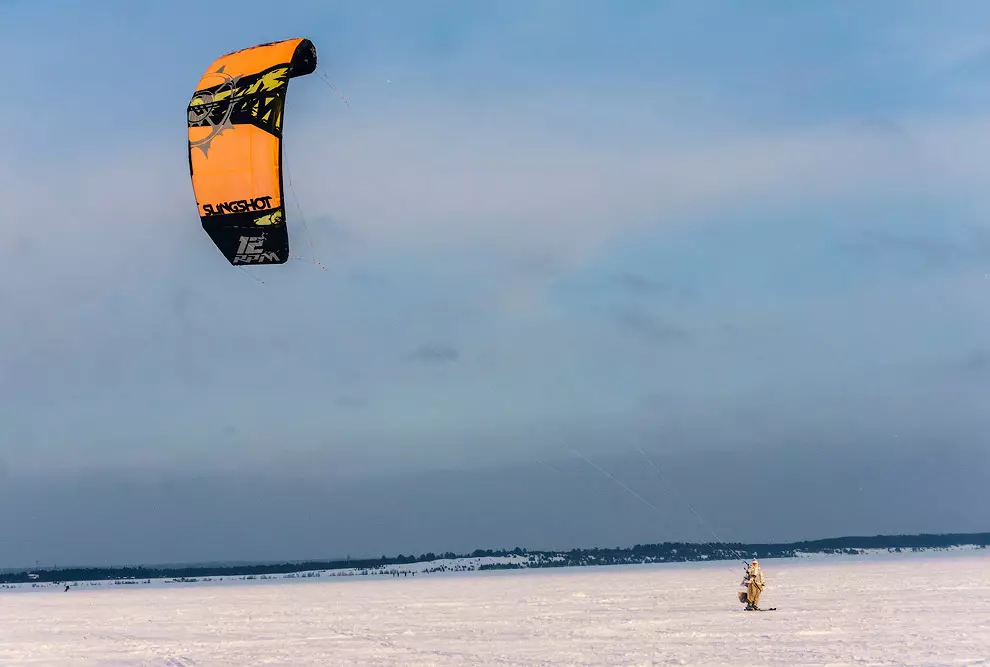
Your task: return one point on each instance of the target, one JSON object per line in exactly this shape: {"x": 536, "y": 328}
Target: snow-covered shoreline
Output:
{"x": 467, "y": 564}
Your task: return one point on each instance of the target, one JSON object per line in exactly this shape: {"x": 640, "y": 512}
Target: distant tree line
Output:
{"x": 640, "y": 553}
{"x": 672, "y": 552}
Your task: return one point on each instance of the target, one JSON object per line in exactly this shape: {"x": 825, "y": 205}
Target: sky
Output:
{"x": 731, "y": 257}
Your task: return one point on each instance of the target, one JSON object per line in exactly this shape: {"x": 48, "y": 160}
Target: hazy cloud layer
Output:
{"x": 564, "y": 503}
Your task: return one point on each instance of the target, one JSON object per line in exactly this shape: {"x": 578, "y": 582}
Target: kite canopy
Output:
{"x": 235, "y": 148}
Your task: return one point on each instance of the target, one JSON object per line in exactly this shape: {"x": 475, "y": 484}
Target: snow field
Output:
{"x": 884, "y": 609}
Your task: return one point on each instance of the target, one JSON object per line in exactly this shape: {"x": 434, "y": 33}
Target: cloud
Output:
{"x": 350, "y": 402}
{"x": 637, "y": 284}
{"x": 845, "y": 489}
{"x": 960, "y": 371}
{"x": 375, "y": 187}
{"x": 436, "y": 180}
{"x": 934, "y": 251}
{"x": 651, "y": 328}
{"x": 436, "y": 354}
{"x": 939, "y": 44}
{"x": 974, "y": 367}
{"x": 645, "y": 288}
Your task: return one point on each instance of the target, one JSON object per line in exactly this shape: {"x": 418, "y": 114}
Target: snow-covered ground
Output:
{"x": 878, "y": 609}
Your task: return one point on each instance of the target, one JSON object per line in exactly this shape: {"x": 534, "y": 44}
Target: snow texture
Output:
{"x": 876, "y": 609}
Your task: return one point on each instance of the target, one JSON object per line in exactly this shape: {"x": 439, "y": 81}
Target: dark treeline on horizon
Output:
{"x": 640, "y": 553}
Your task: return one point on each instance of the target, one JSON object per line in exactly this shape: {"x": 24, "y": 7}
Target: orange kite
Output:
{"x": 235, "y": 148}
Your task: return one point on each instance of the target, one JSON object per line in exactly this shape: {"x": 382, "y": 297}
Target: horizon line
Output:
{"x": 227, "y": 564}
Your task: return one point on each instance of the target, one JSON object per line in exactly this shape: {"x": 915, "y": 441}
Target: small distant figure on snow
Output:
{"x": 754, "y": 584}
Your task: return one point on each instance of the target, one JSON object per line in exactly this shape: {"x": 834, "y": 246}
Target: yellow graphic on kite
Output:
{"x": 235, "y": 148}
{"x": 270, "y": 219}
